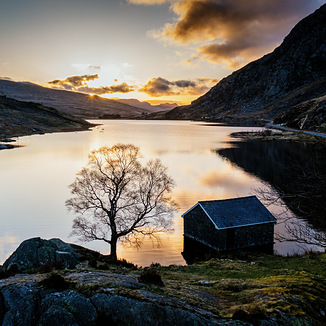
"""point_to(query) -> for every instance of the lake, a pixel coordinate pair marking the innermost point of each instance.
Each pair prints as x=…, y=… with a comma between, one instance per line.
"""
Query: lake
x=35, y=179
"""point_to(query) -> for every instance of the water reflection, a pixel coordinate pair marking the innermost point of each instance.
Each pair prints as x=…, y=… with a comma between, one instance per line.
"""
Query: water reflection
x=194, y=251
x=35, y=179
x=297, y=174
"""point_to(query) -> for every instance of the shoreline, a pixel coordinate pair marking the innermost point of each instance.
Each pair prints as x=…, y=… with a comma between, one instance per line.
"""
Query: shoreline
x=6, y=139
x=270, y=135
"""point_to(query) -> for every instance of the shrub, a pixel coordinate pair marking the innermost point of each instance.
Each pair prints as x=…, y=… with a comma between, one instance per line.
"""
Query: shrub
x=151, y=276
x=55, y=281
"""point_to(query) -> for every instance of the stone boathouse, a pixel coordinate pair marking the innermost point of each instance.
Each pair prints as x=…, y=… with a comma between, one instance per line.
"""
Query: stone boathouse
x=230, y=224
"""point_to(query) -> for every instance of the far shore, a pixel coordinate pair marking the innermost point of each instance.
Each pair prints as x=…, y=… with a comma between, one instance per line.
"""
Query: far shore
x=269, y=135
x=8, y=138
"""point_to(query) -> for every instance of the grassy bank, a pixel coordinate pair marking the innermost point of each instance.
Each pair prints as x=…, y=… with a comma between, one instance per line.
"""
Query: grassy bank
x=268, y=135
x=257, y=286
x=288, y=290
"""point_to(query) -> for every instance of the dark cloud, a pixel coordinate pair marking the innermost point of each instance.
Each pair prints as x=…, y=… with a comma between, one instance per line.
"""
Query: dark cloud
x=121, y=88
x=235, y=29
x=157, y=87
x=162, y=87
x=185, y=83
x=79, y=84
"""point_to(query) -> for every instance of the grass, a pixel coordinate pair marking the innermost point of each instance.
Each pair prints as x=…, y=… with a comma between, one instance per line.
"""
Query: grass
x=261, y=286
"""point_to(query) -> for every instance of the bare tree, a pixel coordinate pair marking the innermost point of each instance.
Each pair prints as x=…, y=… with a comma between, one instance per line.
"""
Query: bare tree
x=296, y=229
x=116, y=198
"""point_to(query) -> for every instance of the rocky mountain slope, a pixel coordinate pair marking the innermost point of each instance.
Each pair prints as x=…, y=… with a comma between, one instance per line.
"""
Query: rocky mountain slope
x=278, y=83
x=19, y=118
x=78, y=104
x=87, y=289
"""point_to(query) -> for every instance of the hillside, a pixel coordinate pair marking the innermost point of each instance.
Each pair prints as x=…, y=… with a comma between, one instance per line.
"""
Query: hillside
x=25, y=118
x=278, y=83
x=78, y=104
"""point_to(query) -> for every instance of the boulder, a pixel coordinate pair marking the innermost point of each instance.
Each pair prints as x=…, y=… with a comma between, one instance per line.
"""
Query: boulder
x=20, y=305
x=35, y=252
x=57, y=315
x=118, y=310
x=81, y=308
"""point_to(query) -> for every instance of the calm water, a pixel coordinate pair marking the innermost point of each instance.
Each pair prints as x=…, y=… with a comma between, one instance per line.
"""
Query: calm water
x=34, y=180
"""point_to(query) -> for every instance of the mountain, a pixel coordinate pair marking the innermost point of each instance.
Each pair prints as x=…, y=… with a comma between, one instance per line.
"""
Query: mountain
x=78, y=104
x=25, y=118
x=147, y=106
x=275, y=85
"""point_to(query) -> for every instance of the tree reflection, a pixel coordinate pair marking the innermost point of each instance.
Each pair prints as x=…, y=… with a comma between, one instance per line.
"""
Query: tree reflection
x=295, y=175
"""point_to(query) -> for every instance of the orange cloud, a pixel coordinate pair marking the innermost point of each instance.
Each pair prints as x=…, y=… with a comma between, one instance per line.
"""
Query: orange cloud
x=79, y=84
x=156, y=87
x=237, y=30
x=148, y=2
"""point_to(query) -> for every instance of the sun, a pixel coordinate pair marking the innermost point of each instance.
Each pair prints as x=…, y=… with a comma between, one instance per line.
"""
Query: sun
x=91, y=94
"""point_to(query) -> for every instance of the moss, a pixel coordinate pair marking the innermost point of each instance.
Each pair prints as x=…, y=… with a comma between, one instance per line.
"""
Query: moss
x=273, y=285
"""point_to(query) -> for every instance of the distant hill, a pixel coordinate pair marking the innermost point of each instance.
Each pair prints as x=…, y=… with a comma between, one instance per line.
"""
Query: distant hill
x=78, y=104
x=19, y=118
x=147, y=106
x=282, y=84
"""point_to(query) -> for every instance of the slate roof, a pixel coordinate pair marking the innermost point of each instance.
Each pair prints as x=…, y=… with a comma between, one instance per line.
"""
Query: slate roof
x=235, y=212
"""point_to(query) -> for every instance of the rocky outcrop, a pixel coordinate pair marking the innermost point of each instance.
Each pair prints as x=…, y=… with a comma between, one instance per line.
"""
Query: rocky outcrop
x=25, y=302
x=36, y=252
x=293, y=73
x=309, y=115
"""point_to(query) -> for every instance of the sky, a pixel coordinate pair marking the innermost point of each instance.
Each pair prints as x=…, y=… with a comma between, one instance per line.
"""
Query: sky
x=162, y=50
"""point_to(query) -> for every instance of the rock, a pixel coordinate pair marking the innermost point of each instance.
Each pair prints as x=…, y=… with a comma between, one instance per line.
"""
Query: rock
x=57, y=315
x=20, y=302
x=2, y=309
x=6, y=146
x=35, y=252
x=81, y=308
x=7, y=140
x=125, y=311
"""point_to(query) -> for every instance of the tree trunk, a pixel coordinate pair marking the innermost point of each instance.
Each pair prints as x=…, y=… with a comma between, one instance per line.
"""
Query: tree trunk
x=113, y=253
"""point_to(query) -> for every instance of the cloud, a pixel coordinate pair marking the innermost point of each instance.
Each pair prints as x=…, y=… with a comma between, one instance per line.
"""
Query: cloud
x=73, y=81
x=79, y=84
x=214, y=178
x=156, y=87
x=233, y=30
x=148, y=2
x=94, y=67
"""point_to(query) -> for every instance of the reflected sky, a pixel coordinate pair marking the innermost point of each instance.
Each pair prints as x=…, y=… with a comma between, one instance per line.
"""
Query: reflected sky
x=35, y=179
